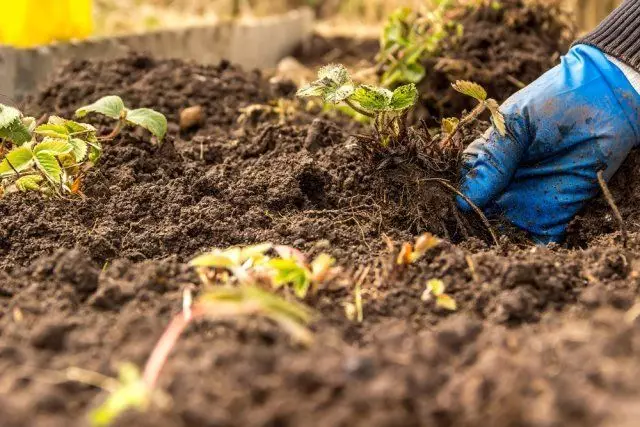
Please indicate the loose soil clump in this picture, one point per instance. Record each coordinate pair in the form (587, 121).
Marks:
(543, 336)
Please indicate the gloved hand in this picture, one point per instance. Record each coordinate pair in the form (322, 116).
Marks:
(578, 118)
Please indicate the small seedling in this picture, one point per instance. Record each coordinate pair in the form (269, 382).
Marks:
(409, 253)
(451, 126)
(128, 393)
(408, 37)
(136, 392)
(250, 266)
(112, 106)
(388, 109)
(50, 158)
(436, 288)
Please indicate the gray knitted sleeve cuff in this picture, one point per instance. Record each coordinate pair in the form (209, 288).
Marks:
(619, 34)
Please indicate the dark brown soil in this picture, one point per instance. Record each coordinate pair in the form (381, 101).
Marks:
(542, 337)
(502, 49)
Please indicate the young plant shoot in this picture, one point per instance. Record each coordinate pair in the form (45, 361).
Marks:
(409, 253)
(388, 109)
(435, 289)
(112, 106)
(252, 266)
(451, 126)
(50, 158)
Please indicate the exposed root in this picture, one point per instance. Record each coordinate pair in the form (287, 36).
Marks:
(476, 209)
(616, 212)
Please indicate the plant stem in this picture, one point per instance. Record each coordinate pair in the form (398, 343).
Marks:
(11, 166)
(473, 115)
(616, 212)
(161, 351)
(358, 109)
(115, 132)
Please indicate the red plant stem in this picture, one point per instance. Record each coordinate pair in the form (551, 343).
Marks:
(161, 351)
(114, 132)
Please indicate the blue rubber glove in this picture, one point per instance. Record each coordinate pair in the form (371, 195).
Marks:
(578, 118)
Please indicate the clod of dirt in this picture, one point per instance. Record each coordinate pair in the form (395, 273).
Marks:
(191, 117)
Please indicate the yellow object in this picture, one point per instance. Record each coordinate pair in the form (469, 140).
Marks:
(27, 23)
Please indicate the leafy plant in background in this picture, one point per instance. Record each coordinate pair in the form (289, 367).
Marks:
(50, 158)
(388, 109)
(408, 37)
(112, 106)
(435, 289)
(451, 126)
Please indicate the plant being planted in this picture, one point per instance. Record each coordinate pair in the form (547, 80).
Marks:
(451, 126)
(50, 158)
(112, 106)
(388, 109)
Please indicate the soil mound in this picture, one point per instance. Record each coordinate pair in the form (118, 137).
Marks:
(542, 337)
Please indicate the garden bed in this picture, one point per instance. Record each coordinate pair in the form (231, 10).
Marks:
(542, 337)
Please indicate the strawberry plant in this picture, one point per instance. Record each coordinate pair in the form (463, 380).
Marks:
(408, 37)
(50, 158)
(451, 126)
(112, 106)
(388, 109)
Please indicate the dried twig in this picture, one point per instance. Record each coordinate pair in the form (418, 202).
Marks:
(616, 212)
(476, 209)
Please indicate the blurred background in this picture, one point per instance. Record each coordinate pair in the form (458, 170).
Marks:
(84, 18)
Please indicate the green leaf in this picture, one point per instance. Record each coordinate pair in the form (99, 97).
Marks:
(316, 88)
(395, 30)
(53, 146)
(404, 97)
(471, 89)
(49, 166)
(21, 158)
(29, 182)
(449, 124)
(372, 98)
(58, 131)
(447, 302)
(151, 120)
(71, 126)
(496, 116)
(111, 106)
(289, 272)
(95, 152)
(336, 73)
(132, 393)
(11, 126)
(80, 149)
(214, 259)
(436, 287)
(339, 94)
